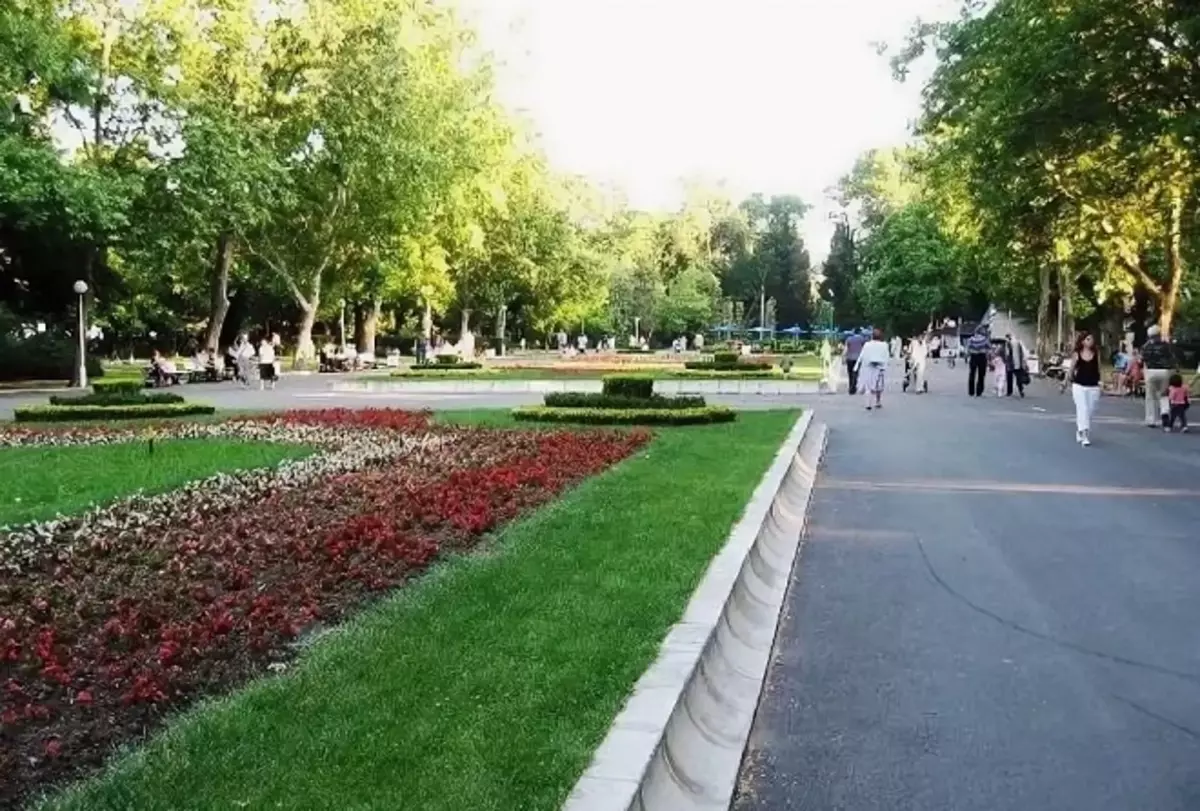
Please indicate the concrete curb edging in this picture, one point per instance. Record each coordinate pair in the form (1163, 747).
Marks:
(677, 745)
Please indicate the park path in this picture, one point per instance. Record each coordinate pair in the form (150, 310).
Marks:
(986, 616)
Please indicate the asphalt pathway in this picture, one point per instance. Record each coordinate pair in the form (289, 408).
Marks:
(987, 616)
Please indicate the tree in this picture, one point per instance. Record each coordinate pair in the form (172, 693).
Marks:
(840, 275)
(910, 272)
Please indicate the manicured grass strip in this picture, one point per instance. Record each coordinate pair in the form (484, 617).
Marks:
(626, 416)
(69, 413)
(488, 685)
(41, 482)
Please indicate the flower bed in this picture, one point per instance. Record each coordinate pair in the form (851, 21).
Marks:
(571, 399)
(626, 416)
(111, 619)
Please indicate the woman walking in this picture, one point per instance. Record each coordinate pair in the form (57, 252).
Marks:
(1084, 377)
(872, 362)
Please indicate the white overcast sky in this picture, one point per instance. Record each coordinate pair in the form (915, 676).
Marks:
(777, 96)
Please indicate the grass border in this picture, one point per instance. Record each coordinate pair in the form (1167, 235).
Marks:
(487, 685)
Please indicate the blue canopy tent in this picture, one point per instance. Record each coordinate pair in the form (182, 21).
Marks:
(795, 331)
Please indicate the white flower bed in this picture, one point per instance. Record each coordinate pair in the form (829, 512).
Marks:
(340, 450)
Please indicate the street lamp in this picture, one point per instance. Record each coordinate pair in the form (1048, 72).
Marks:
(637, 333)
(81, 289)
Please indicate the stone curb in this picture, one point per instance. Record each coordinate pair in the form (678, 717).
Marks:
(668, 387)
(678, 743)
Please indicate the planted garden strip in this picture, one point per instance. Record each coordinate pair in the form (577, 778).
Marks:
(570, 399)
(147, 608)
(487, 686)
(625, 416)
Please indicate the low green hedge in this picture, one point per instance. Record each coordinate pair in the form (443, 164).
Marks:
(725, 357)
(721, 366)
(569, 399)
(454, 366)
(625, 416)
(59, 413)
(446, 373)
(770, 374)
(630, 386)
(119, 386)
(116, 399)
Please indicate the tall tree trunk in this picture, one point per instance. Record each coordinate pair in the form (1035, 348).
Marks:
(1175, 265)
(218, 302)
(427, 320)
(501, 327)
(466, 324)
(1045, 331)
(360, 326)
(370, 325)
(304, 341)
(1066, 293)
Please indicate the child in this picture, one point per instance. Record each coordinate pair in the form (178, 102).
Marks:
(1000, 373)
(1177, 396)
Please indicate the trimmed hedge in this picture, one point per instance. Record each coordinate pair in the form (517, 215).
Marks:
(128, 387)
(625, 416)
(770, 374)
(116, 399)
(720, 366)
(449, 360)
(638, 388)
(58, 413)
(570, 399)
(454, 366)
(725, 357)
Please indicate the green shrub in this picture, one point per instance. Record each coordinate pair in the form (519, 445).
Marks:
(639, 388)
(116, 399)
(43, 356)
(571, 399)
(635, 351)
(433, 373)
(725, 357)
(127, 387)
(436, 369)
(720, 366)
(753, 374)
(449, 360)
(626, 416)
(57, 413)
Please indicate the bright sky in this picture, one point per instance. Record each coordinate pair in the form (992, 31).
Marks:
(777, 96)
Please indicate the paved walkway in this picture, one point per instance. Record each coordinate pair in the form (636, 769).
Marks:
(987, 616)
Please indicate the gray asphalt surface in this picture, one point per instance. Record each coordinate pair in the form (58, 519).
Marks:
(987, 616)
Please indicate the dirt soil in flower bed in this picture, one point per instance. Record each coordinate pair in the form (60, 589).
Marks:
(116, 619)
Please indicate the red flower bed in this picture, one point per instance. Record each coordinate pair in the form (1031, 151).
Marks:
(96, 647)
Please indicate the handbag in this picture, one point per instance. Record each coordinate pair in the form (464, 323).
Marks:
(1023, 377)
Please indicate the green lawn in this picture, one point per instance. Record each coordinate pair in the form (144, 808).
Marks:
(41, 482)
(488, 684)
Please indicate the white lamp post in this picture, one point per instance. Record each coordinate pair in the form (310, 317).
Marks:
(81, 289)
(637, 332)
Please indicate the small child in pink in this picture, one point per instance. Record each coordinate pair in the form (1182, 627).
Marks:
(1177, 397)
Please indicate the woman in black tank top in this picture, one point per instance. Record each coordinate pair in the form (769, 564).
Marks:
(1085, 386)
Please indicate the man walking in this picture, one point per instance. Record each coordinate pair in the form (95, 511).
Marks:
(1016, 364)
(853, 348)
(1159, 362)
(977, 361)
